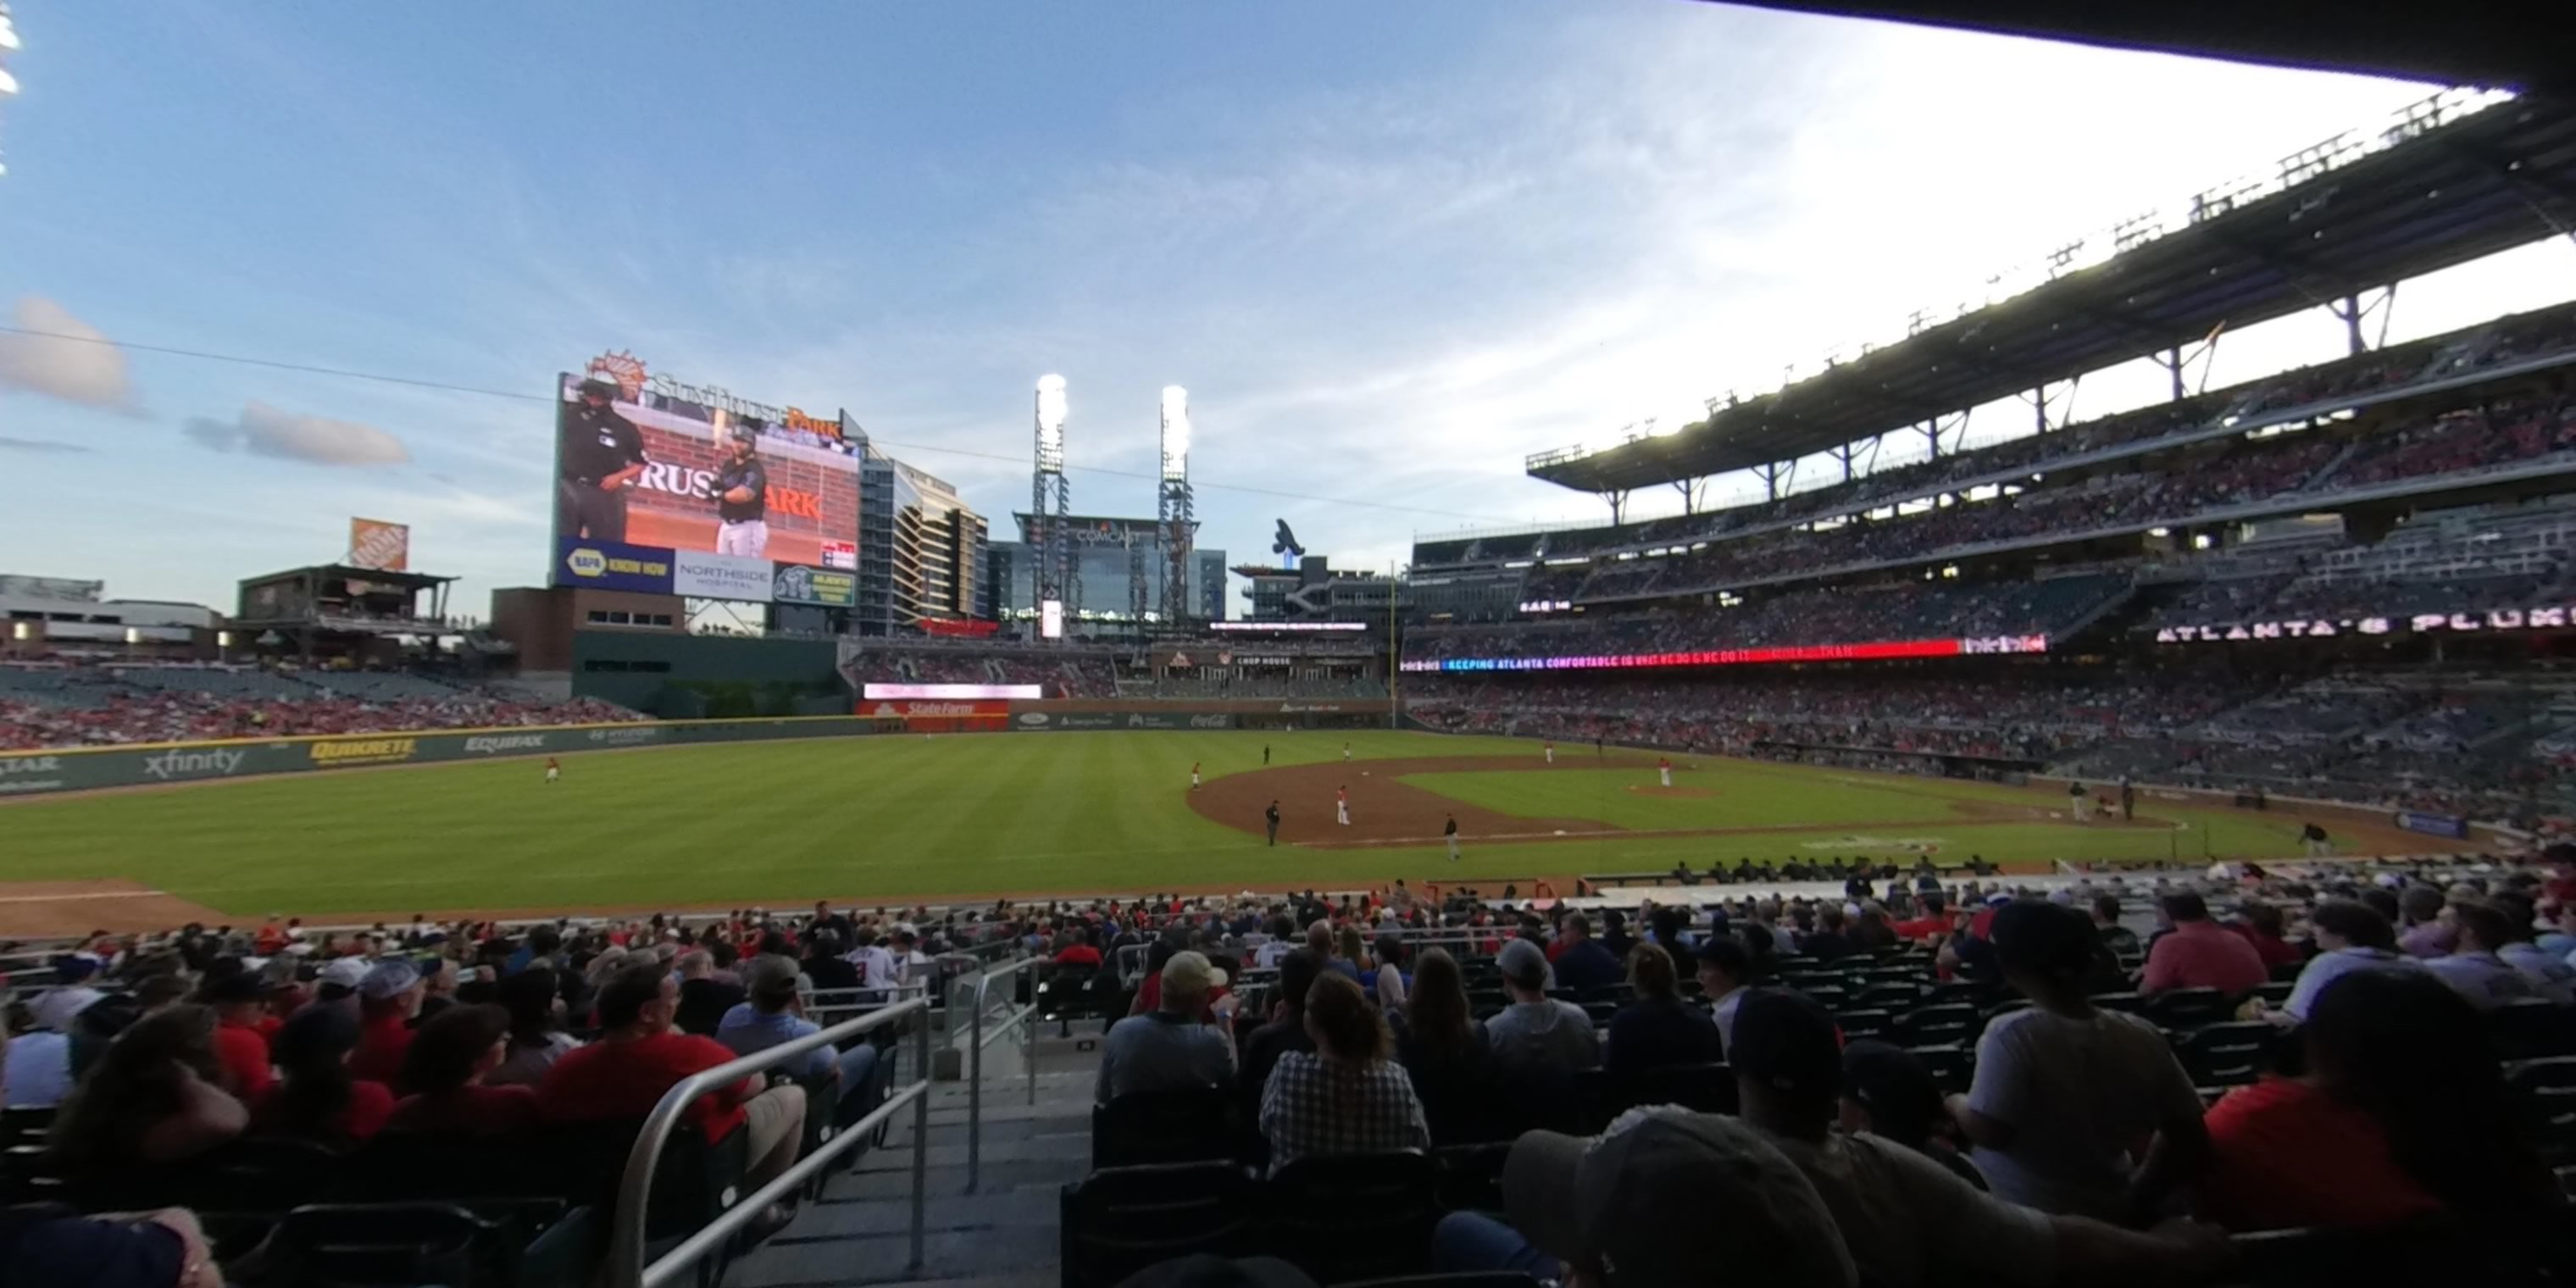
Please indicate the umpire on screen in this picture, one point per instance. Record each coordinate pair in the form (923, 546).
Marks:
(742, 506)
(599, 457)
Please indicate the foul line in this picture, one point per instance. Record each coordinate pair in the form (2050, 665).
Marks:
(93, 894)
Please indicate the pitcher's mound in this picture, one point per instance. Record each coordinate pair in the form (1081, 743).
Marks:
(1685, 792)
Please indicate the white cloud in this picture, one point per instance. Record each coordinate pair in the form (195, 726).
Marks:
(262, 430)
(81, 366)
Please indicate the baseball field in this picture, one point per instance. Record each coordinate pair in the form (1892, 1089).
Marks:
(906, 818)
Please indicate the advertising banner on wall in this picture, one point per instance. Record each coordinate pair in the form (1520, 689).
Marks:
(698, 574)
(2450, 825)
(612, 565)
(636, 463)
(895, 690)
(798, 584)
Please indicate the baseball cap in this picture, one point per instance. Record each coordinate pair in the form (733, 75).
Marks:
(1191, 972)
(771, 975)
(1786, 1042)
(1523, 963)
(388, 979)
(347, 972)
(1671, 1197)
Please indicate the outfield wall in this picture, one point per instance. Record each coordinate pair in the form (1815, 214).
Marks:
(89, 768)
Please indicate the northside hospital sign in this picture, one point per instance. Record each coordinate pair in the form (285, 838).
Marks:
(1977, 646)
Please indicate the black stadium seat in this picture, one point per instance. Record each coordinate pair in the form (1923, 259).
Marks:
(1707, 1088)
(1938, 1026)
(1118, 1221)
(2226, 1055)
(2188, 1008)
(1198, 1124)
(1471, 1176)
(2548, 1087)
(1865, 1024)
(1952, 1065)
(2532, 1029)
(1355, 1216)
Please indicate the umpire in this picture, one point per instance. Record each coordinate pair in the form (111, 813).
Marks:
(742, 508)
(599, 456)
(1270, 816)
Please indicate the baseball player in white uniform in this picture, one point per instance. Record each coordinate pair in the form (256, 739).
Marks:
(1194, 775)
(1346, 753)
(1664, 767)
(1551, 751)
(1342, 805)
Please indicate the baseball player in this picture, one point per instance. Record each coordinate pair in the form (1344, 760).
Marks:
(2078, 802)
(742, 499)
(1551, 751)
(599, 454)
(1270, 817)
(1664, 768)
(1194, 775)
(1265, 753)
(554, 769)
(1346, 753)
(1342, 805)
(1450, 831)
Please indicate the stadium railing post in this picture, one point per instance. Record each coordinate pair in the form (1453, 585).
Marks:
(626, 1265)
(975, 1062)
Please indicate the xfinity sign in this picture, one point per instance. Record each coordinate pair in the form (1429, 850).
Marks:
(218, 762)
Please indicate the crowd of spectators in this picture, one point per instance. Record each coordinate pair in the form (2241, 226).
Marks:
(58, 707)
(1088, 675)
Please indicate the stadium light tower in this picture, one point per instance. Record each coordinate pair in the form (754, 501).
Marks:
(9, 44)
(1176, 517)
(1051, 505)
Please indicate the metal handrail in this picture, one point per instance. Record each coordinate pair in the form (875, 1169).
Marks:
(1025, 1016)
(626, 1265)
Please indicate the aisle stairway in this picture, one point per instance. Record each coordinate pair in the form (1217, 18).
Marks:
(1002, 1236)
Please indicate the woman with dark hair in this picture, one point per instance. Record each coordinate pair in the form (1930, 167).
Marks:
(1344, 1097)
(153, 1097)
(537, 1038)
(1658, 1029)
(2350, 936)
(1444, 1049)
(444, 1071)
(2402, 1112)
(1614, 933)
(1888, 1091)
(316, 1099)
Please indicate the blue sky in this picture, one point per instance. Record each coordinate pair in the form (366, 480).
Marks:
(1390, 248)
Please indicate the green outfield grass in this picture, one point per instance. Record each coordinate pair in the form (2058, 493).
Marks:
(893, 818)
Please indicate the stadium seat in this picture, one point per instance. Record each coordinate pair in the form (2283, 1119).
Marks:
(1354, 1216)
(1952, 1065)
(1832, 997)
(1115, 1222)
(393, 1244)
(2132, 1003)
(2532, 1029)
(1462, 1279)
(1865, 1024)
(2187, 1008)
(1707, 1088)
(2226, 1055)
(1966, 992)
(1198, 1124)
(1938, 1026)
(2432, 1251)
(1471, 1176)
(2549, 1088)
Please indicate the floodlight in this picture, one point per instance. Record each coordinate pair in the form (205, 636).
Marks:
(1176, 432)
(1051, 403)
(8, 83)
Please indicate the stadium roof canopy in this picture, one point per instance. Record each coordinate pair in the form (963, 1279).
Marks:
(2510, 43)
(415, 581)
(2347, 217)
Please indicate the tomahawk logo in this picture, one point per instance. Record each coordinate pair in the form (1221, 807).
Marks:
(218, 763)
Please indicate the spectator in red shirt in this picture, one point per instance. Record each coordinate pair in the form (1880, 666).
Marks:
(640, 1055)
(241, 1047)
(1079, 952)
(2402, 1113)
(444, 1070)
(2260, 924)
(316, 1098)
(2200, 953)
(1934, 921)
(387, 999)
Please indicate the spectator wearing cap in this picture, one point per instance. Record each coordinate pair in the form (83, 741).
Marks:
(1537, 1031)
(1663, 1198)
(241, 1047)
(640, 1056)
(2350, 936)
(2200, 953)
(2064, 1089)
(338, 980)
(1659, 1029)
(536, 1038)
(2400, 1115)
(1906, 1220)
(704, 999)
(1346, 1096)
(773, 1013)
(444, 1069)
(318, 1098)
(387, 999)
(1725, 971)
(1584, 964)
(2423, 930)
(1169, 1048)
(38, 1072)
(2550, 975)
(1890, 1093)
(2472, 967)
(1286, 1031)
